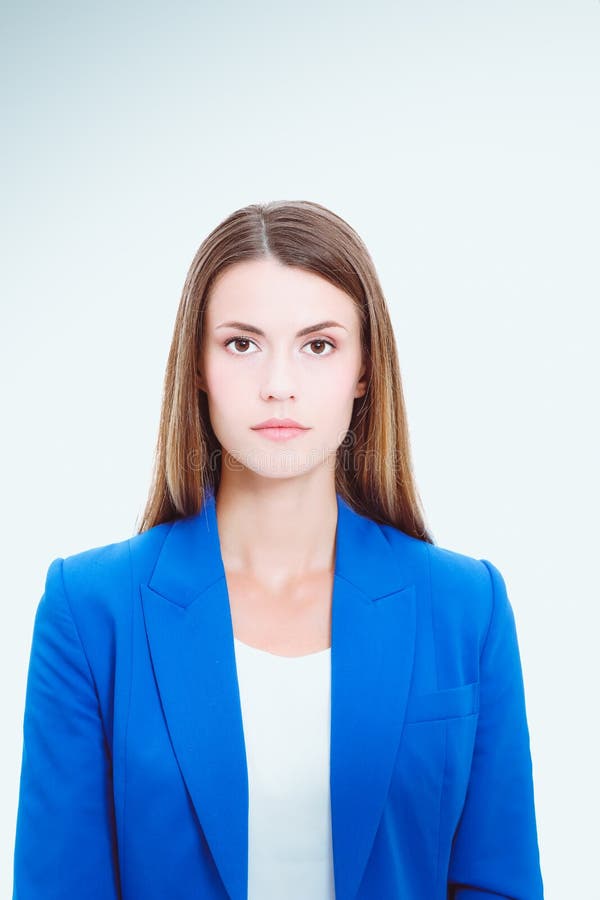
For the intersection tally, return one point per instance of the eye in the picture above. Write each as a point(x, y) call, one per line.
point(239, 340)
point(244, 340)
point(323, 342)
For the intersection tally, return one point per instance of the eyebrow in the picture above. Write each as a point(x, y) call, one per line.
point(243, 326)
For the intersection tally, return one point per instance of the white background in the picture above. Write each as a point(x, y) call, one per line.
point(462, 141)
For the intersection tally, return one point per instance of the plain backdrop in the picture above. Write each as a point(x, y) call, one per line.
point(462, 141)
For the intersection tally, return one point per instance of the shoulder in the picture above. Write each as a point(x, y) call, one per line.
point(461, 588)
point(98, 581)
point(445, 566)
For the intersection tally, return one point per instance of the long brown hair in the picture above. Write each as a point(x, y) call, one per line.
point(373, 463)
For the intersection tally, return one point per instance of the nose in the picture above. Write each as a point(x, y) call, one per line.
point(276, 391)
point(278, 381)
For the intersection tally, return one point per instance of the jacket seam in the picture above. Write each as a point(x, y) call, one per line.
point(107, 746)
point(433, 640)
point(123, 830)
point(158, 552)
point(85, 656)
point(442, 792)
point(489, 625)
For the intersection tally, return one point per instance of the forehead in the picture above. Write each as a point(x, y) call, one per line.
point(267, 287)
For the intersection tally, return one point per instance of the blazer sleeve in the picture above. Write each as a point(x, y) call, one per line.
point(65, 843)
point(495, 850)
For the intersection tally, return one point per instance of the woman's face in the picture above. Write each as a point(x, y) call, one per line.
point(265, 368)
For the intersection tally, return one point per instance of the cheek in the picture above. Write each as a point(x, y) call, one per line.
point(325, 387)
point(334, 388)
point(222, 380)
point(331, 404)
point(227, 400)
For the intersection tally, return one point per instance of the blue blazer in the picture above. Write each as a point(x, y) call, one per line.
point(134, 781)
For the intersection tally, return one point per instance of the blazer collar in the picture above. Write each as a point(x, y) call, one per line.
point(190, 634)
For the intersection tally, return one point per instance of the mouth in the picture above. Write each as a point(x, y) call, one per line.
point(280, 433)
point(279, 423)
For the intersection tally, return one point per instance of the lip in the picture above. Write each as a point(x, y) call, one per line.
point(279, 423)
point(280, 434)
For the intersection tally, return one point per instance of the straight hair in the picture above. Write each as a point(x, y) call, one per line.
point(373, 468)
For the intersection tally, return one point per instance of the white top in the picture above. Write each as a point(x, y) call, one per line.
point(286, 712)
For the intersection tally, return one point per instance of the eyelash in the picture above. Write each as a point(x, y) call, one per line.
point(241, 337)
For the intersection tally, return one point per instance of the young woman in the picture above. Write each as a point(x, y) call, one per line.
point(279, 687)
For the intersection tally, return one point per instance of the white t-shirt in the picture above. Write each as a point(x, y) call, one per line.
point(286, 712)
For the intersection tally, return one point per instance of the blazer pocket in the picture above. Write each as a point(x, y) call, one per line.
point(450, 703)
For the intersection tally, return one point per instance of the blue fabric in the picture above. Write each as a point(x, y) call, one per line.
point(134, 781)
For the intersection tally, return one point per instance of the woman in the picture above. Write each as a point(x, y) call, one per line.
point(279, 687)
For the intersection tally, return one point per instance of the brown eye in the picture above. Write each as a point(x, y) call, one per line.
point(322, 344)
point(239, 340)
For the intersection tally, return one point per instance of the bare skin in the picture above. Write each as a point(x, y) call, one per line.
point(276, 502)
point(291, 623)
point(279, 575)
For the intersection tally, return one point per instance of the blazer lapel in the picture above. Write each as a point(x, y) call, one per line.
point(190, 635)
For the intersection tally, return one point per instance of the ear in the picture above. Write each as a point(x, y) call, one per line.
point(200, 383)
point(362, 384)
